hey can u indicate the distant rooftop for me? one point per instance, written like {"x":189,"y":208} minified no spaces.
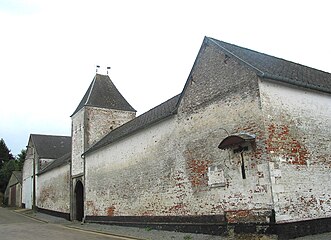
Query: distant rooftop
{"x":50,"y":146}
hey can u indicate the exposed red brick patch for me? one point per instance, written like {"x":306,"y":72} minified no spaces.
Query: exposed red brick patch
{"x":197,"y":166}
{"x":111,"y":211}
{"x":198,"y":172}
{"x":237,"y":215}
{"x":254,"y":215}
{"x":280,"y":142}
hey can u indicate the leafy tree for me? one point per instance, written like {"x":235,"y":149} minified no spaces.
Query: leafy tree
{"x":5,"y":173}
{"x":5,"y":154}
{"x":8,"y":164}
{"x":20,"y":159}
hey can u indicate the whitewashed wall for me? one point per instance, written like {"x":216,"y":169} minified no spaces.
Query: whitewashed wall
{"x":165,"y":169}
{"x":27,"y":183}
{"x":53,"y":191}
{"x":298,"y":126}
{"x":78,"y":145}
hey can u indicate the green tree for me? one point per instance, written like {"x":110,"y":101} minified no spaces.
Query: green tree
{"x":5,"y":154}
{"x":5,"y":173}
{"x":20,"y":159}
{"x":7,"y":165}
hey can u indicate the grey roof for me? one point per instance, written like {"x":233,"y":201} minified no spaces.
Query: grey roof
{"x":278,"y":69}
{"x":51,"y":147}
{"x":18,"y":175}
{"x":150,"y":117}
{"x":264,"y":65}
{"x":66,"y":158}
{"x":103,"y":93}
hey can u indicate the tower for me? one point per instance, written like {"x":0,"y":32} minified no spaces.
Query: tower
{"x":102,"y":109}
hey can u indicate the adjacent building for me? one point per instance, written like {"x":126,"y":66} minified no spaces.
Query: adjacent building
{"x":42,"y":150}
{"x":13,"y":192}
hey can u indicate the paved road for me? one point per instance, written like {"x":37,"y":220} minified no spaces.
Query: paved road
{"x":15,"y":226}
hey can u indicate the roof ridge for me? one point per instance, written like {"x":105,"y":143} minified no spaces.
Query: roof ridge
{"x":48,"y":135}
{"x":278,"y":69}
{"x":228,"y":51}
{"x":91,"y":89}
{"x":266,"y":54}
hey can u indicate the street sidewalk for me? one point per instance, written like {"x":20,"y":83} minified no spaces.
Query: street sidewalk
{"x":146,"y":233}
{"x":119,"y":231}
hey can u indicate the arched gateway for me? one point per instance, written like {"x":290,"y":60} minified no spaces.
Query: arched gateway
{"x":79,"y":201}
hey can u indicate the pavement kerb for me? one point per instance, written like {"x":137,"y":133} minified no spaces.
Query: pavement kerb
{"x":25,"y":214}
{"x":103,"y":232}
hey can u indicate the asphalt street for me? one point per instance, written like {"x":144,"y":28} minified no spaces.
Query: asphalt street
{"x":22,"y":224}
{"x":14,"y":226}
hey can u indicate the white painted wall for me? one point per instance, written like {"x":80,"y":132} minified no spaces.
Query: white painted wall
{"x":163,"y":169}
{"x":27,"y":182}
{"x":159,"y":171}
{"x":78,"y":145}
{"x":53,"y":191}
{"x":298,"y":123}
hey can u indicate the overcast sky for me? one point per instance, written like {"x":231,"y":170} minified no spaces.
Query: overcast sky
{"x":49,"y":50}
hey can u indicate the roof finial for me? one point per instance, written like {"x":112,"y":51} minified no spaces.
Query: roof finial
{"x":96,"y":70}
{"x":108,"y":69}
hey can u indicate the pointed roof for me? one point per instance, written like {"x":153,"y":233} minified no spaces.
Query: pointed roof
{"x":18,"y":176}
{"x":277,"y":69}
{"x":264,"y":65}
{"x":49,"y":146}
{"x":103,"y":93}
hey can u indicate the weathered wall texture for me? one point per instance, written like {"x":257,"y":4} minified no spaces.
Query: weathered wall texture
{"x":53,"y":190}
{"x":298,"y":144}
{"x":101,"y":121}
{"x":89,"y":125}
{"x":27,"y":176}
{"x":169,"y":168}
{"x":78,"y":145}
{"x":27,"y":182}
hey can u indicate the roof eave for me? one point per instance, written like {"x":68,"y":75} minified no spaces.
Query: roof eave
{"x":94,"y":148}
{"x":293,"y":82}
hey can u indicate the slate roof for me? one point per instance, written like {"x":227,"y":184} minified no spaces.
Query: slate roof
{"x":278,"y":69}
{"x":103,"y":93}
{"x":51,"y":147}
{"x":150,"y":117}
{"x":18,"y":175}
{"x":264,"y":65}
{"x":66,"y":158}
